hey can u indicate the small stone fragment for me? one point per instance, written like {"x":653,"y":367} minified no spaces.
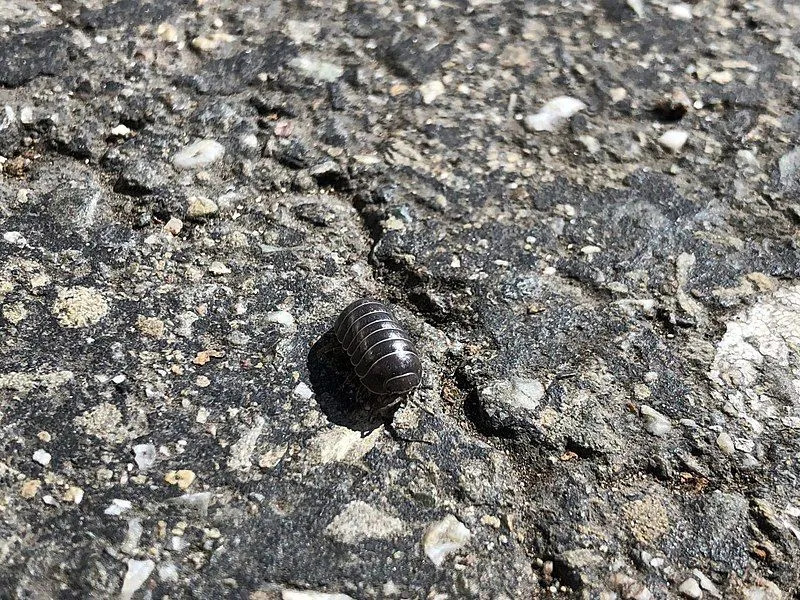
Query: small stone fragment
{"x":270,"y":459}
{"x":120,"y":131}
{"x":200,"y":207}
{"x":150,"y":326}
{"x":655,"y":423}
{"x":317,"y":69}
{"x":42,"y":457}
{"x":79,"y":307}
{"x":218,"y":268}
{"x":673,"y":140}
{"x":73,"y":494}
{"x":721,"y":77}
{"x":281,"y":317}
{"x":680,"y":11}
{"x":554,"y":113}
{"x":30,"y":488}
{"x":173,"y":226}
{"x":725,"y":443}
{"x":443,"y":538}
{"x":618,"y":94}
{"x":198,"y":155}
{"x":138,"y":572}
{"x":591,"y":143}
{"x":691,"y":589}
{"x":183,"y":478}
{"x":207,"y":43}
{"x":168,"y":572}
{"x":303,"y":391}
{"x":431,"y":90}
{"x":167,"y":32}
{"x":117,"y":507}
{"x":132,"y":537}
{"x":359,"y":521}
{"x":145,"y":456}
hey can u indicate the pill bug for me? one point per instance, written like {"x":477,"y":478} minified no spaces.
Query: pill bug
{"x":380,"y":350}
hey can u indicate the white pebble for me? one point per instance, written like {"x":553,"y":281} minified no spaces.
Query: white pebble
{"x":281,"y":317}
{"x":674,"y":139}
{"x":42,"y":457}
{"x":655,"y":422}
{"x":725,"y":443}
{"x":443,"y":538}
{"x":198,"y":155}
{"x":138,"y":572}
{"x":431,"y":90}
{"x":554,"y":113}
{"x":691,"y":589}
{"x":26,"y":115}
{"x":318,"y":69}
{"x":218,"y":268}
{"x":680,"y":11}
{"x":144,"y":455}
{"x":117,"y":507}
{"x":168,"y":572}
{"x":303,"y":391}
{"x":14,"y":237}
{"x":120,"y":130}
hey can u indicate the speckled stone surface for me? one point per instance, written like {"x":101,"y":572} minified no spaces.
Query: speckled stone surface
{"x":586,"y":214}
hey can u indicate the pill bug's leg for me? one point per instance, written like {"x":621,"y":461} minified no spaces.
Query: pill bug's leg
{"x":416,"y":403}
{"x":395,"y":435}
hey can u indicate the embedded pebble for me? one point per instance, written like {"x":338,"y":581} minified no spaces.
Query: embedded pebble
{"x":42,"y":457}
{"x":281,"y":317}
{"x":218,"y":268}
{"x":183,"y":478}
{"x":673,"y":140}
{"x":132,"y":537}
{"x":554,"y":113}
{"x":725,"y":443}
{"x":680,"y":11}
{"x":73,"y":494}
{"x":198,"y":155}
{"x":117,"y":507}
{"x":79,"y":307}
{"x":443,"y":538}
{"x":721,"y":77}
{"x":431,"y":90}
{"x":303,"y":391}
{"x":359,"y":521}
{"x":655,"y":423}
{"x":145,"y":456}
{"x":691,"y":589}
{"x":317,"y":69}
{"x":207,"y":43}
{"x":137,"y":574}
{"x":199,"y":207}
{"x":167,"y":32}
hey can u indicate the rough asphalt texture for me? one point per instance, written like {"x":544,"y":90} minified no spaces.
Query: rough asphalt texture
{"x":609,"y":316}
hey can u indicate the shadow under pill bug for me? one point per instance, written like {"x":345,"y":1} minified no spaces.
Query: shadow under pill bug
{"x":380,"y":350}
